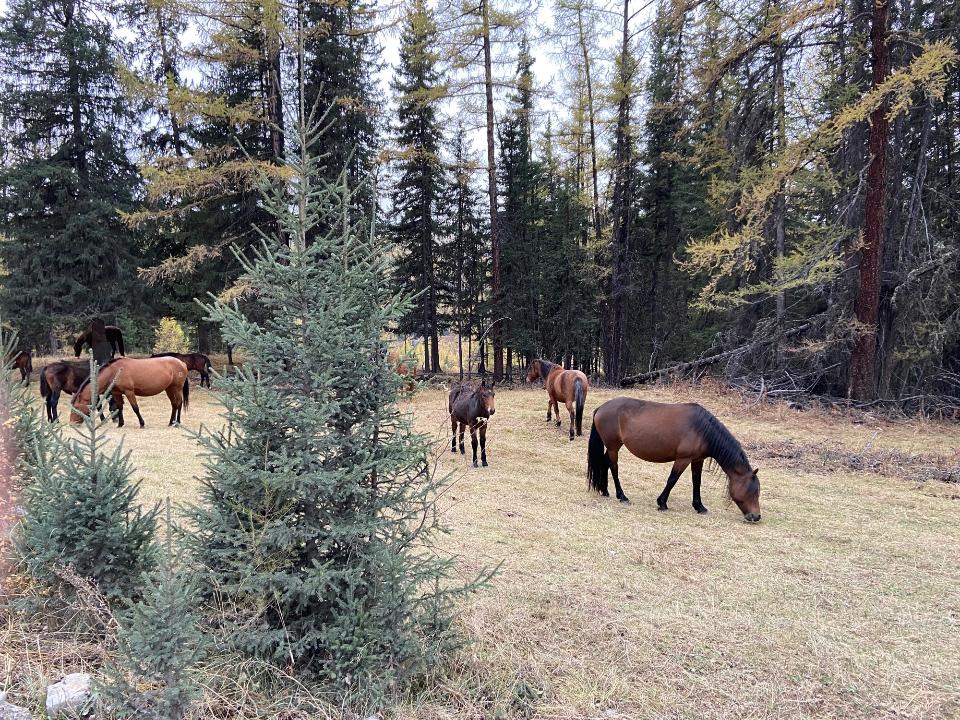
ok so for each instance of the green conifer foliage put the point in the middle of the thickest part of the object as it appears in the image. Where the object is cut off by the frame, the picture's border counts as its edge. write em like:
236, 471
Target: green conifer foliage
83, 510
159, 643
318, 501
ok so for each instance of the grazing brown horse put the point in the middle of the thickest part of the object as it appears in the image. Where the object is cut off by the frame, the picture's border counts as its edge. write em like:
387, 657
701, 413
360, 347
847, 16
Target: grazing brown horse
57, 377
132, 377
569, 386
22, 361
193, 361
471, 406
113, 336
684, 434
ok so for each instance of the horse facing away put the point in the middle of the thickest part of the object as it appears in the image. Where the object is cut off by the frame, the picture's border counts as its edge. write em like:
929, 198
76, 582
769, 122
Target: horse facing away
570, 386
193, 361
471, 406
132, 377
113, 335
686, 434
22, 361
58, 377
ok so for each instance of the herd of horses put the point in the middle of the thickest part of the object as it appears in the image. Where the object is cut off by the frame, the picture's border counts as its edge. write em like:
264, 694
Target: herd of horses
686, 435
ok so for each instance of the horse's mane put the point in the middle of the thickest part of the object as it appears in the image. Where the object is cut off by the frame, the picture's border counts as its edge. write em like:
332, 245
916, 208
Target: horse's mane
545, 367
722, 446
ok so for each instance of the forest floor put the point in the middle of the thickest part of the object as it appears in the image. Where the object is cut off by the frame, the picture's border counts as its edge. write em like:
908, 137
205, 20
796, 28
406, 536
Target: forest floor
844, 602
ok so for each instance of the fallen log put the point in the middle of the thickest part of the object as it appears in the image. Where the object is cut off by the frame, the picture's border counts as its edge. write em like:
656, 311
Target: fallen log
710, 360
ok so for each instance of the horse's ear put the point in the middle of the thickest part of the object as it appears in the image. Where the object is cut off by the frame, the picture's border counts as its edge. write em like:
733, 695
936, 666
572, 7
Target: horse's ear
755, 471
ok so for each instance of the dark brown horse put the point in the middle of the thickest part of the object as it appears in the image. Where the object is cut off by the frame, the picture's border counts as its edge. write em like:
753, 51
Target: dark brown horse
57, 377
112, 333
22, 361
132, 377
568, 386
471, 406
683, 434
193, 361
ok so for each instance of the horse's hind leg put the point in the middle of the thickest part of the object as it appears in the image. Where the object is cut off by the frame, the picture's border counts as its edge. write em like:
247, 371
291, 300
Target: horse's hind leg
678, 467
573, 418
696, 469
614, 454
176, 403
473, 441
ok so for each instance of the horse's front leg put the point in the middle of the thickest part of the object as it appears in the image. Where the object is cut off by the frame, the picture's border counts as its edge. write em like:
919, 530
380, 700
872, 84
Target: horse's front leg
117, 403
696, 468
473, 441
136, 408
453, 434
463, 430
549, 408
483, 443
679, 465
556, 411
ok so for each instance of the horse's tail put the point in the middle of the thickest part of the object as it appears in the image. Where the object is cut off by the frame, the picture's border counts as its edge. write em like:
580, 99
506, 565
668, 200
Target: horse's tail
598, 463
44, 385
120, 342
186, 393
579, 396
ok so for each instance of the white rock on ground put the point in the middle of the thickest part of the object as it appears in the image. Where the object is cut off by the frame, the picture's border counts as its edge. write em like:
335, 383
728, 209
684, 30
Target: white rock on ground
69, 696
12, 712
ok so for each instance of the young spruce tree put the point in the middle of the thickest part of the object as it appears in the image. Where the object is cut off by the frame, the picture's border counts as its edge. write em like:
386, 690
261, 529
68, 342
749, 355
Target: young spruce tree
83, 510
318, 502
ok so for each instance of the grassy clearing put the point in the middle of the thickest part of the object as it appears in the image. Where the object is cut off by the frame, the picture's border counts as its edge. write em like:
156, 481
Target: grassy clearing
843, 602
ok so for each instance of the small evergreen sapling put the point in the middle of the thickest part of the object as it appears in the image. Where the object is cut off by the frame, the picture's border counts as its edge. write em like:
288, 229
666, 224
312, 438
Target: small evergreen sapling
159, 644
83, 511
318, 504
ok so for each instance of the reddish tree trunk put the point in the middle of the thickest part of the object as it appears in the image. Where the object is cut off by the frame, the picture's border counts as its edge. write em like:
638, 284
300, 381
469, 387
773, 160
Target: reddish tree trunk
863, 360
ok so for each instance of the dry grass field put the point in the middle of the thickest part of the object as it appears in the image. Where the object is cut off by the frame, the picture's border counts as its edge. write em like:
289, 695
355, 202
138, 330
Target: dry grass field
843, 603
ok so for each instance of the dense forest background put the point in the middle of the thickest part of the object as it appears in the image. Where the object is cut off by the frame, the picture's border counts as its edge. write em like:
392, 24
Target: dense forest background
620, 186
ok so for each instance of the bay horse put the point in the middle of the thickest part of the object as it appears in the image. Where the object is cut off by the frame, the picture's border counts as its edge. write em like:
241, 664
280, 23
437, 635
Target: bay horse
193, 361
22, 361
471, 406
568, 386
686, 434
61, 376
403, 368
113, 335
132, 377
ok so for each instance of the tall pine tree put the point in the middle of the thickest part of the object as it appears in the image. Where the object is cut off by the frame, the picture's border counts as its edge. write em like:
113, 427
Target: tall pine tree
67, 176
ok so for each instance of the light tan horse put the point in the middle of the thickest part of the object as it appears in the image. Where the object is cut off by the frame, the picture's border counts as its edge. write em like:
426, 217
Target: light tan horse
568, 386
132, 377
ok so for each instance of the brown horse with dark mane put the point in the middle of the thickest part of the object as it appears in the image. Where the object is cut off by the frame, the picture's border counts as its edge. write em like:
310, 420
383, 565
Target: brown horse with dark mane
22, 361
685, 434
111, 334
62, 376
193, 361
132, 377
567, 386
471, 406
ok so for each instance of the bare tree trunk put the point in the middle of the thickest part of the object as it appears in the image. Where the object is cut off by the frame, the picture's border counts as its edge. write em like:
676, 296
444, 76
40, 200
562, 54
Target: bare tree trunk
863, 359
495, 332
593, 132
271, 49
169, 69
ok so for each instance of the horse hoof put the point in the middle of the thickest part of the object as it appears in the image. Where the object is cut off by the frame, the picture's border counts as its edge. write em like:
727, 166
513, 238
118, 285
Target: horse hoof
701, 510
475, 463
559, 424
624, 500
485, 463
662, 508
453, 450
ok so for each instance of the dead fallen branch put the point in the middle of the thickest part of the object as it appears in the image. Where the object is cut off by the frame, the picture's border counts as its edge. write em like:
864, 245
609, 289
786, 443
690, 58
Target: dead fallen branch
831, 457
686, 367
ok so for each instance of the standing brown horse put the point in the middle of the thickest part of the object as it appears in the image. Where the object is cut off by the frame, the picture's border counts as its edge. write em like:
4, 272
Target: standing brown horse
57, 377
22, 361
473, 406
193, 361
132, 377
113, 336
409, 370
657, 432
569, 386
